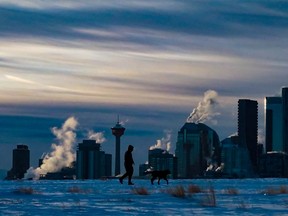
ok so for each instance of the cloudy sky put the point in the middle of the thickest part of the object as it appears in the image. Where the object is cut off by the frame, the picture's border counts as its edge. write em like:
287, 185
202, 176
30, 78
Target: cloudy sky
148, 61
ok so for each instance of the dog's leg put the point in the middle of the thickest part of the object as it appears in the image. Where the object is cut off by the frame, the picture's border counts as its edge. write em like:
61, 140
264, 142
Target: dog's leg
166, 180
152, 180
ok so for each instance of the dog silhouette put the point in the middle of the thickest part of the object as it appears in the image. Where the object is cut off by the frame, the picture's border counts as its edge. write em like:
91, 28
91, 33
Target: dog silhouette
158, 174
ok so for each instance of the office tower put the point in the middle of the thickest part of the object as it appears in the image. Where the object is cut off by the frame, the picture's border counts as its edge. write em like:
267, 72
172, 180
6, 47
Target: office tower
248, 127
276, 122
197, 146
117, 131
92, 163
273, 124
285, 118
159, 159
21, 162
108, 165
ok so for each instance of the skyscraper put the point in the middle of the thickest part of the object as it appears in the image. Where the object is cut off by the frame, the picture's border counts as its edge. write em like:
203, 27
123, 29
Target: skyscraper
276, 122
117, 131
285, 118
92, 163
248, 127
273, 124
21, 162
197, 146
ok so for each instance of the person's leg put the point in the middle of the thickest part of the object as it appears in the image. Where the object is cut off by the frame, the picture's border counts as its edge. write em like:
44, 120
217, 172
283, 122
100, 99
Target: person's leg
125, 175
130, 173
130, 182
122, 177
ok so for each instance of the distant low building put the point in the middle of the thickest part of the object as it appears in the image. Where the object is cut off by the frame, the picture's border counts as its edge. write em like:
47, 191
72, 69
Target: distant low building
273, 164
92, 163
66, 173
21, 163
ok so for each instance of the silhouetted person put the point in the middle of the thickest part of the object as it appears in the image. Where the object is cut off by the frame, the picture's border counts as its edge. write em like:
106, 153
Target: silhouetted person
128, 163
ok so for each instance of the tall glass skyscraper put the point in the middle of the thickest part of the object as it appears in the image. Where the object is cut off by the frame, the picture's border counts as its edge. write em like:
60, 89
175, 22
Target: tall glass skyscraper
276, 122
197, 146
273, 124
248, 127
92, 163
285, 118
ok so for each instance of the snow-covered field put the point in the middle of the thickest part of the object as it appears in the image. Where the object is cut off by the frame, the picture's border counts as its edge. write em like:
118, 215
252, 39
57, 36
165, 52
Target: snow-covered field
108, 197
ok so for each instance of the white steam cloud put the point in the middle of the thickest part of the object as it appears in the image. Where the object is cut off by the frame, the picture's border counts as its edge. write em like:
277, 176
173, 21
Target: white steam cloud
206, 108
123, 122
63, 153
98, 136
164, 142
233, 134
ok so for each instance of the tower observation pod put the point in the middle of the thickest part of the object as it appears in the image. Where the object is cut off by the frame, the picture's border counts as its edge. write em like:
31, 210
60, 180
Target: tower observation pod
117, 131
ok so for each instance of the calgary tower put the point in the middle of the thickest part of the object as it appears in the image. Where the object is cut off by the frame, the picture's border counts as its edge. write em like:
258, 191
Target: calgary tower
117, 131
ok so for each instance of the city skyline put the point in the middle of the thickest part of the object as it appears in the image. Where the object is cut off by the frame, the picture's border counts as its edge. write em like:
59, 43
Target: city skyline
150, 62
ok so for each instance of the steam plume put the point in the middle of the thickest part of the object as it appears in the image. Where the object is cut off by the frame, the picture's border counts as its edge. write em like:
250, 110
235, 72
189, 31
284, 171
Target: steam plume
98, 136
123, 122
233, 134
164, 142
62, 154
205, 109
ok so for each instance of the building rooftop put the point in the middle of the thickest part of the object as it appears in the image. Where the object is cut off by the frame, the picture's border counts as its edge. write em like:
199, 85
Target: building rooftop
195, 127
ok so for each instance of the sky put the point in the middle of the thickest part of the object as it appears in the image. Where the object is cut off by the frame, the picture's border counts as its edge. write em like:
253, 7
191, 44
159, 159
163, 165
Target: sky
150, 62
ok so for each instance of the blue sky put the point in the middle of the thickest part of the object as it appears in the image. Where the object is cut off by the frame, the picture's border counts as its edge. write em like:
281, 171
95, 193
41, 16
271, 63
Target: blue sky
150, 62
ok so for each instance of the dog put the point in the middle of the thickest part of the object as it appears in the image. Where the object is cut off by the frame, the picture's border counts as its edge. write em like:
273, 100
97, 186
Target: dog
160, 174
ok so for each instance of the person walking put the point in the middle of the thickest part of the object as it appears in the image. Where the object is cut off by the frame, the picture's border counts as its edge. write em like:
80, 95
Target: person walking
128, 163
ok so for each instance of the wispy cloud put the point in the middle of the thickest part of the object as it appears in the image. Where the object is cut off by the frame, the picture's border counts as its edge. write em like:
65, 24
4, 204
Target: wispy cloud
18, 79
38, 84
70, 4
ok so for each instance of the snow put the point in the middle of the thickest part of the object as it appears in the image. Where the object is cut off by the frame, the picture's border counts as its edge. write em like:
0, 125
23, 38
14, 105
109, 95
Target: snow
109, 197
